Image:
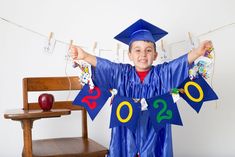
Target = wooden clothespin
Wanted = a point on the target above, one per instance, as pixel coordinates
(118, 47)
(50, 43)
(94, 47)
(50, 37)
(162, 46)
(190, 38)
(117, 52)
(70, 44)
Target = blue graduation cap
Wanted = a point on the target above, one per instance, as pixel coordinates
(141, 30)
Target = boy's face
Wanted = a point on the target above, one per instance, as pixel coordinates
(142, 53)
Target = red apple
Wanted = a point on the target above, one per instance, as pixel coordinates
(46, 101)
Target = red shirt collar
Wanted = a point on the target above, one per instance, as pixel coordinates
(142, 74)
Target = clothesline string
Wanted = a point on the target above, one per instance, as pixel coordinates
(67, 43)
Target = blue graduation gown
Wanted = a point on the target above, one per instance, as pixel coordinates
(160, 79)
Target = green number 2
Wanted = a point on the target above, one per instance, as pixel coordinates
(160, 115)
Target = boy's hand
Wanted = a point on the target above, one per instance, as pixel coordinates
(204, 47)
(77, 53)
(201, 50)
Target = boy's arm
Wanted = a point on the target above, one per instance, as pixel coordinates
(199, 51)
(106, 73)
(176, 71)
(91, 59)
(79, 54)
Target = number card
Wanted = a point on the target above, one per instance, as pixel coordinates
(125, 112)
(196, 92)
(163, 110)
(92, 99)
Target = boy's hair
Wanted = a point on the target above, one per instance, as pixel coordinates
(154, 45)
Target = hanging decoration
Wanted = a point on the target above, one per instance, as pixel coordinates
(125, 112)
(203, 65)
(197, 91)
(163, 110)
(85, 73)
(92, 99)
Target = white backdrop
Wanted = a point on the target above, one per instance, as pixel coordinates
(209, 133)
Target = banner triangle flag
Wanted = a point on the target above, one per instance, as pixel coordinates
(163, 111)
(125, 112)
(197, 91)
(92, 99)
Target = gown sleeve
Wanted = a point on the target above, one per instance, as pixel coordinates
(108, 74)
(172, 74)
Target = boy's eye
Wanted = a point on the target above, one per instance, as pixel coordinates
(149, 50)
(137, 50)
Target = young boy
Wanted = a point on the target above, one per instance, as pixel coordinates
(143, 80)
